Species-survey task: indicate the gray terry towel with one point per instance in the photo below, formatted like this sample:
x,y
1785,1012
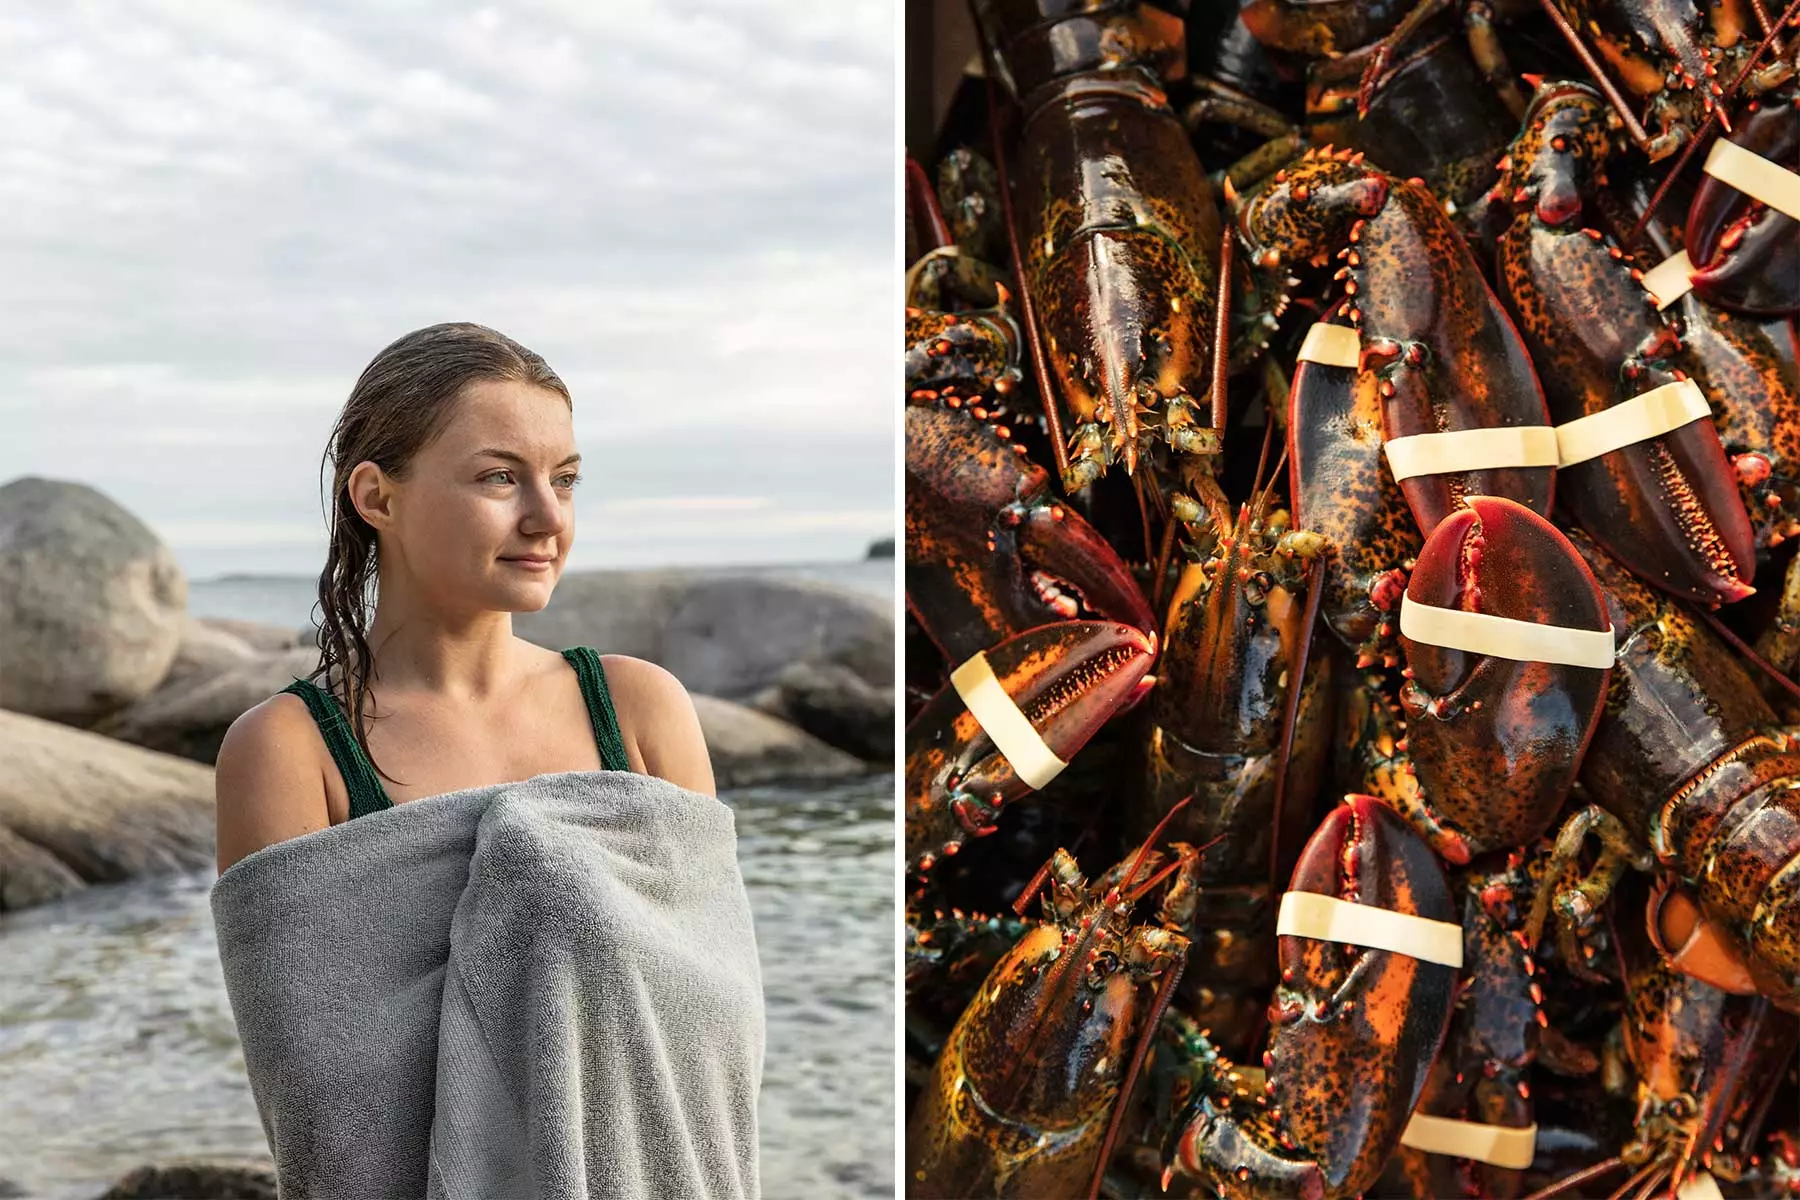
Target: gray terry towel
x,y
537,989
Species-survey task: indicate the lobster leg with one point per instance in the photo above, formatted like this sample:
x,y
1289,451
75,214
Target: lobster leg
x,y
1577,905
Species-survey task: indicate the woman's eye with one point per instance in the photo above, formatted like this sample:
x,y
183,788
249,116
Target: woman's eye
x,y
564,481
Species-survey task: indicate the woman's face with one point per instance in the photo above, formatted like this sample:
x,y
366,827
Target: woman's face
x,y
497,484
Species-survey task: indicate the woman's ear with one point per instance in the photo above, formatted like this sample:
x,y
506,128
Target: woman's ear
x,y
371,493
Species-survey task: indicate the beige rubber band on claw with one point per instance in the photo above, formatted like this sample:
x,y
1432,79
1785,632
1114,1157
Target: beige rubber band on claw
x,y
1699,1186
1504,637
1658,411
1669,280
1496,1145
1331,345
1316,915
1755,176
1471,450
1008,728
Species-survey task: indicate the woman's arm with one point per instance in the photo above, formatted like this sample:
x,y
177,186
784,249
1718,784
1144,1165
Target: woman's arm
x,y
657,717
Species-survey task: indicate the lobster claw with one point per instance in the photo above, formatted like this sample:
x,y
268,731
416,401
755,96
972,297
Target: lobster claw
x,y
1670,509
990,550
1066,679
1747,255
1497,741
1360,1021
1354,1029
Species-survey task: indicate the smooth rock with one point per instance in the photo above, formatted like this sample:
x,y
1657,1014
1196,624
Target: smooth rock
x,y
198,1179
92,603
78,808
257,634
190,713
881,548
750,747
836,706
205,649
723,635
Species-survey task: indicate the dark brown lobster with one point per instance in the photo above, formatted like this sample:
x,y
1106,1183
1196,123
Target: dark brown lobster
x,y
1690,759
1666,505
1443,353
1117,229
1237,725
1027,1091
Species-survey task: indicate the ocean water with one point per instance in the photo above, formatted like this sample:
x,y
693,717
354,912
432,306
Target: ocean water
x,y
117,1045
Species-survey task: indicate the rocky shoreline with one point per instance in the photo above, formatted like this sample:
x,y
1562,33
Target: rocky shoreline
x,y
114,699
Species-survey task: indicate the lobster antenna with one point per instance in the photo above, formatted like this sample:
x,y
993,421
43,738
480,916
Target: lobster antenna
x,y
1222,327
1163,874
1040,369
1655,1175
1638,133
1737,643
1032,887
1138,860
1291,717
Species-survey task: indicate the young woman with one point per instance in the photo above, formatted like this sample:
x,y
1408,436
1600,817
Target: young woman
x,y
479,912
454,479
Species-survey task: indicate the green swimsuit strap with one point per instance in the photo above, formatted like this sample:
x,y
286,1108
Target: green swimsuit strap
x,y
586,662
366,793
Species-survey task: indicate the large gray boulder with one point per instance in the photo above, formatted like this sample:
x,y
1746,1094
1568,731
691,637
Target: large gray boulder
x,y
92,603
78,808
189,714
835,705
723,635
749,747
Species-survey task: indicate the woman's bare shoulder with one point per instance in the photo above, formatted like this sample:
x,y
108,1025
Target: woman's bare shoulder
x,y
268,785
656,715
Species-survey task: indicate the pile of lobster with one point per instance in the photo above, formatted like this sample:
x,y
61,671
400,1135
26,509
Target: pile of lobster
x,y
1353,471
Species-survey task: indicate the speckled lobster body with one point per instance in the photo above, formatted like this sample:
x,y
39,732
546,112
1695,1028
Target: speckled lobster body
x,y
1690,757
1027,1086
1118,227
990,550
1442,352
1237,727
1666,506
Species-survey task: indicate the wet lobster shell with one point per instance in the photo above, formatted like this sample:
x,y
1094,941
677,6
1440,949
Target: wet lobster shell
x,y
991,551
1354,1030
1342,491
1442,351
1068,679
1497,742
1668,507
1746,255
1118,226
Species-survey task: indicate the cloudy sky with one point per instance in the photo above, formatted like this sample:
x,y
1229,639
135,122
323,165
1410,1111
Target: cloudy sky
x,y
213,214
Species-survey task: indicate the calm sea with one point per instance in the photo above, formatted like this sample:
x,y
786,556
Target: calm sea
x,y
117,1045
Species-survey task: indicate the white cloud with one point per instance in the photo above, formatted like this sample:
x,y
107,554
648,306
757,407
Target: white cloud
x,y
218,211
